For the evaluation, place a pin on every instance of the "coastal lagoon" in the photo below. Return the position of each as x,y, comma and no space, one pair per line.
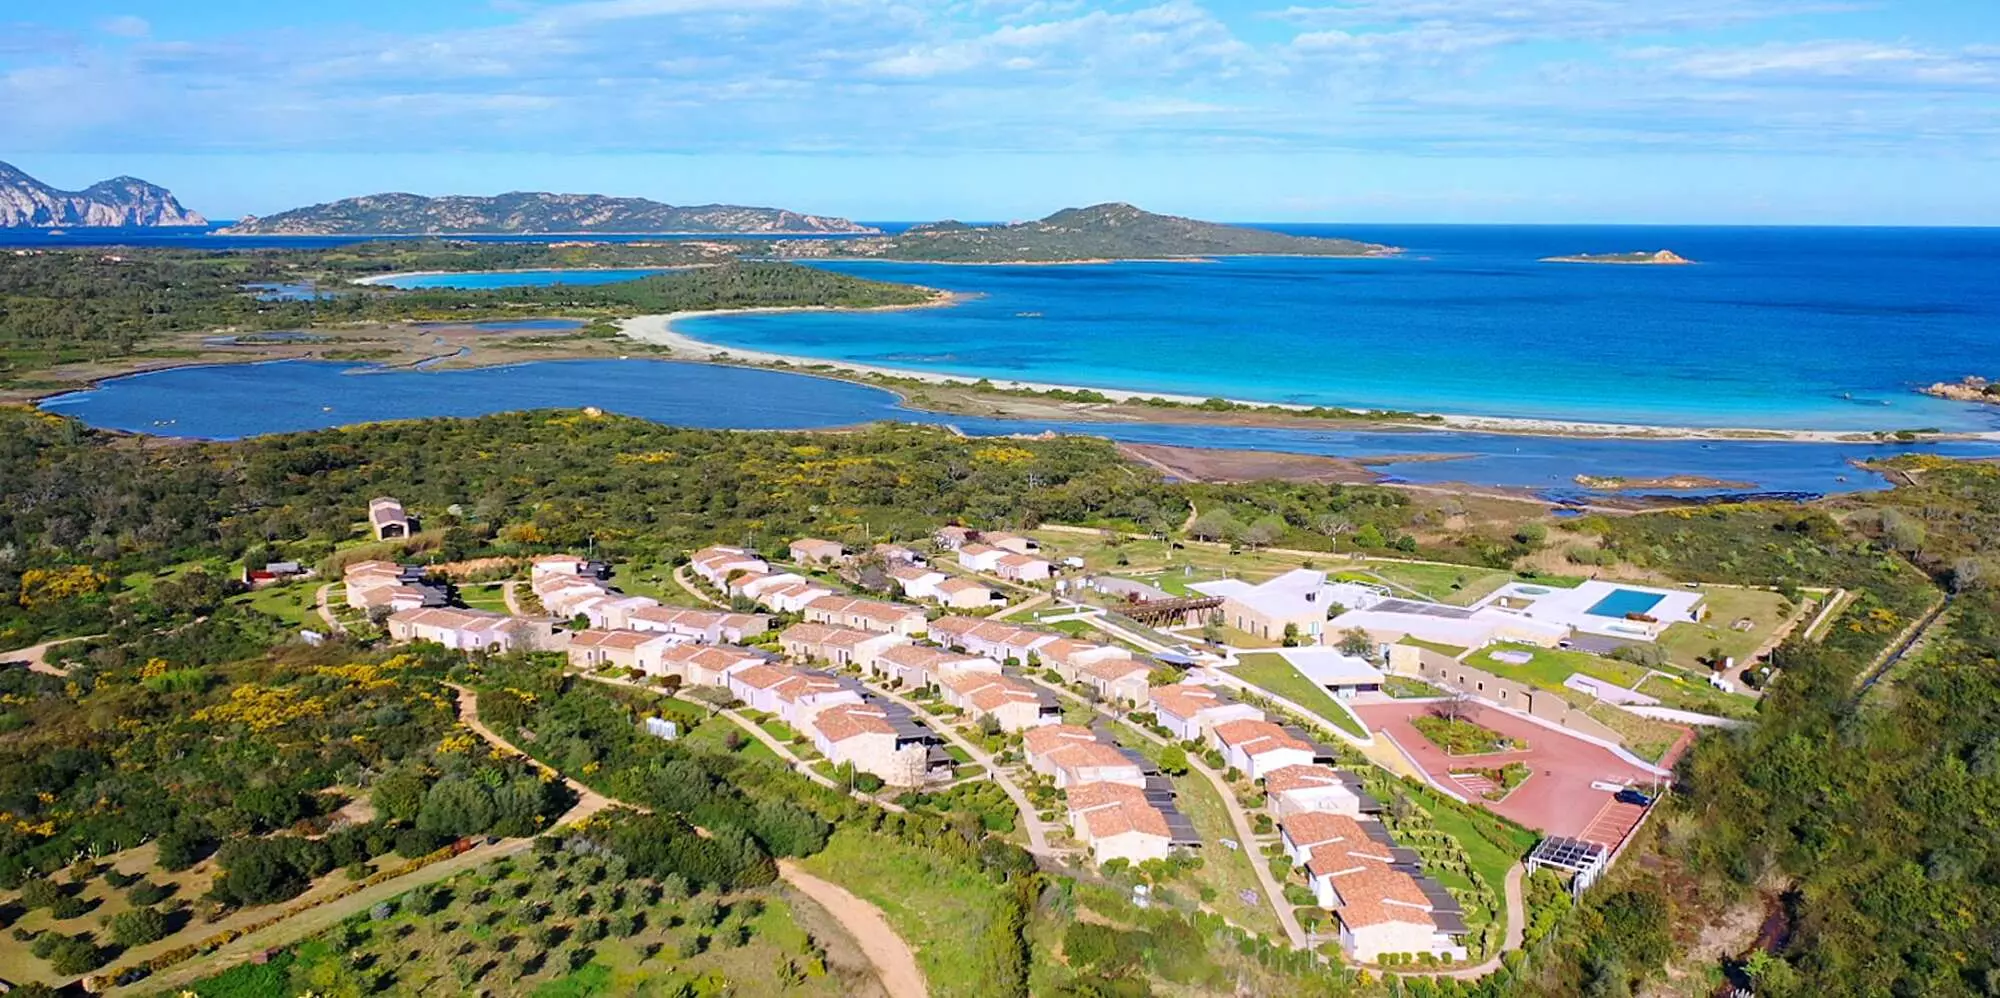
1829,329
232,401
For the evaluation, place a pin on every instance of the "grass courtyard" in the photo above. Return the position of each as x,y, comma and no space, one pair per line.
1269,671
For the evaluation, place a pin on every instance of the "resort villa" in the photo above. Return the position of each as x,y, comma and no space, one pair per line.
1190,712
387,519
1372,888
840,646
922,583
813,551
1256,748
460,630
703,626
975,557
717,564
992,639
883,739
1014,704
919,666
898,554
1117,821
372,584
859,614
592,649
1072,755
1023,568
1011,543
1295,790
706,665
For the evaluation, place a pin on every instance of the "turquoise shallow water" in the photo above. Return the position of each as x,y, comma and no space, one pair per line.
1791,328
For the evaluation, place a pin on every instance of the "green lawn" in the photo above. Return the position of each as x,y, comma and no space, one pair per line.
1491,860
1687,645
1644,737
1461,585
291,604
1458,736
1549,667
1693,693
487,596
1449,651
1271,672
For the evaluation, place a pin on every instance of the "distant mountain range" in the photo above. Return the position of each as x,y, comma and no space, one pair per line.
531,213
1099,232
27,203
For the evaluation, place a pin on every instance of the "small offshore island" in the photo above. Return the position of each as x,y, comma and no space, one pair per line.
1657,258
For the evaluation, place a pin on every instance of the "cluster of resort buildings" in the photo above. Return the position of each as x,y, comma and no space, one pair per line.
1305,604
1119,805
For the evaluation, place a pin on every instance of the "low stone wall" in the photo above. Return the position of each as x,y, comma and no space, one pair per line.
1439,670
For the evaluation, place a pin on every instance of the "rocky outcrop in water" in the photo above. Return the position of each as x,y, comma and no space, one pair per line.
27,203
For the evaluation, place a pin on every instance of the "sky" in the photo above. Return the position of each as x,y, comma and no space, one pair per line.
1559,111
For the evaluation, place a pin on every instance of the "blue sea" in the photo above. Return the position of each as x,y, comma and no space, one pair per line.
1786,328
288,396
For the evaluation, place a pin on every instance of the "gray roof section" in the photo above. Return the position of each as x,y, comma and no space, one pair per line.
1441,899
1427,609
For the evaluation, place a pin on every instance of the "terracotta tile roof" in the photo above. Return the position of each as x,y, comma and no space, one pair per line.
372,566
1377,895
877,610
1336,834
911,573
1048,738
958,585
620,640
1018,560
713,658
1079,756
763,677
460,620
848,720
808,633
1257,737
989,692
977,549
1301,778
807,684
1113,809
1112,670
1185,701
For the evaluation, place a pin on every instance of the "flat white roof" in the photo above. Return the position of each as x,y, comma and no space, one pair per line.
1331,666
1297,592
1599,607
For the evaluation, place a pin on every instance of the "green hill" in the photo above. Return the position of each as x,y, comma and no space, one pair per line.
1100,232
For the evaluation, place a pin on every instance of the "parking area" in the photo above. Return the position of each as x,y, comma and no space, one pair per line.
1557,798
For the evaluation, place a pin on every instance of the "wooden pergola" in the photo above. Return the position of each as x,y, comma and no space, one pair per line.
1171,612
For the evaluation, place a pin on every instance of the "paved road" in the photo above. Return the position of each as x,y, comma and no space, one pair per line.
1038,838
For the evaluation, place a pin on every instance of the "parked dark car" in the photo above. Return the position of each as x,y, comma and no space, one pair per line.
1629,796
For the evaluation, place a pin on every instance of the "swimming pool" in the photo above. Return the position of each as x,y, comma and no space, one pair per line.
1623,603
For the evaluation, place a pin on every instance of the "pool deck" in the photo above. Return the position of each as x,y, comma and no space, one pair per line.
1579,608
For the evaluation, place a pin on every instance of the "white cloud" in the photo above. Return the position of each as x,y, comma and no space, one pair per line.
1834,60
126,26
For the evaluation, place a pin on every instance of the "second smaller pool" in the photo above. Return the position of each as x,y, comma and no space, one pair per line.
1623,603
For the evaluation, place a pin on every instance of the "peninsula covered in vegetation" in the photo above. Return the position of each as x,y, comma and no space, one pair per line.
1098,233
528,213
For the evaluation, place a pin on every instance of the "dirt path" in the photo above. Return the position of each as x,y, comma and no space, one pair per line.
326,611
681,579
894,964
37,656
507,597
891,957
1038,837
1245,835
588,801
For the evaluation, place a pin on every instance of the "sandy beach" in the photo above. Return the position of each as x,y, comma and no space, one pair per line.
659,330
